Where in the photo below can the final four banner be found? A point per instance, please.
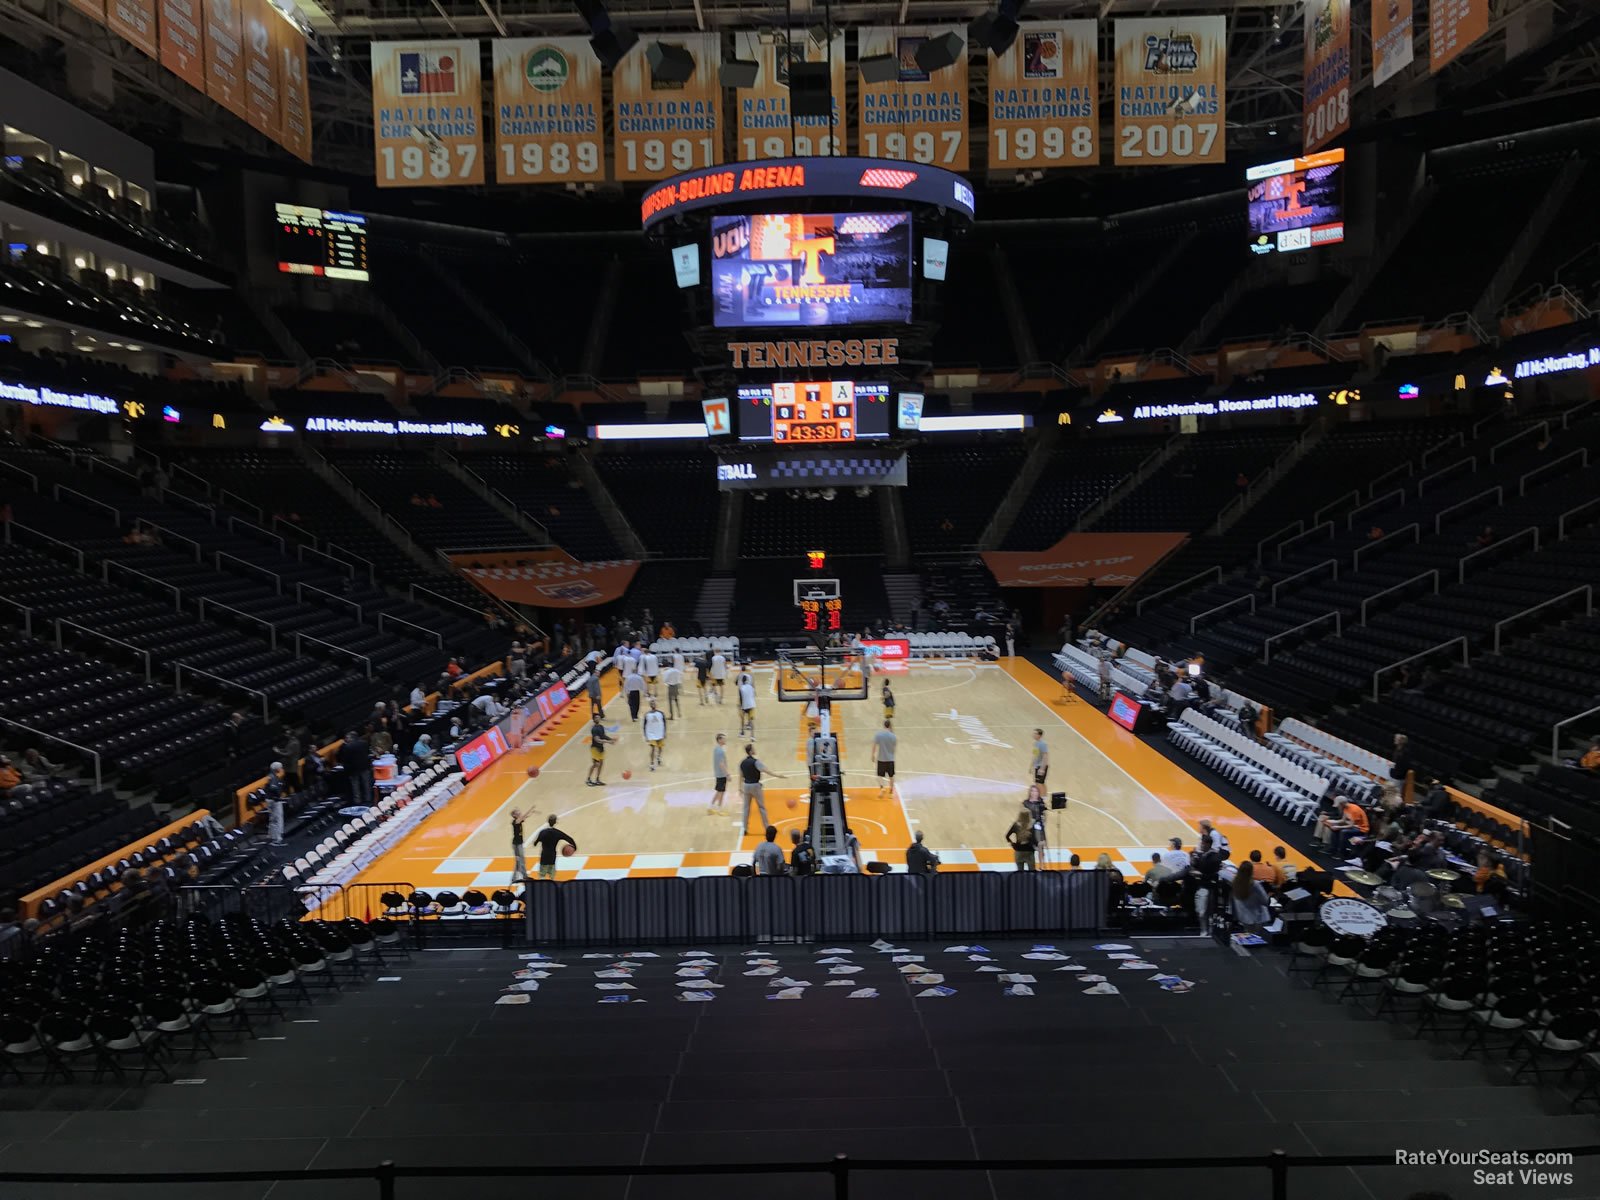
(547, 111)
(1327, 72)
(661, 132)
(919, 116)
(1044, 98)
(427, 119)
(762, 125)
(1171, 89)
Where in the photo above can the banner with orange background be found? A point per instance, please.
(1392, 48)
(1044, 98)
(1081, 559)
(661, 132)
(546, 578)
(182, 38)
(262, 107)
(1326, 102)
(433, 91)
(294, 94)
(224, 35)
(919, 116)
(1171, 91)
(762, 126)
(135, 22)
(1453, 25)
(547, 109)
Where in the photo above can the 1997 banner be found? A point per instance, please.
(918, 116)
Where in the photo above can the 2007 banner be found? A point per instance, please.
(1171, 91)
(547, 111)
(427, 119)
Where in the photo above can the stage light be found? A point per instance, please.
(936, 54)
(809, 95)
(878, 68)
(609, 41)
(670, 65)
(740, 73)
(997, 30)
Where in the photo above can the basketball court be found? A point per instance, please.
(965, 745)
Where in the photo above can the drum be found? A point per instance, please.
(1351, 918)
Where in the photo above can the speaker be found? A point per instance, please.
(878, 68)
(669, 64)
(994, 30)
(936, 54)
(740, 73)
(808, 90)
(1058, 801)
(611, 45)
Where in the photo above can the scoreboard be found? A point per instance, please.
(821, 615)
(813, 412)
(314, 241)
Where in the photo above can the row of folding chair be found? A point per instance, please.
(1286, 787)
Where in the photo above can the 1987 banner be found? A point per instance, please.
(1171, 90)
(427, 120)
(918, 116)
(1044, 98)
(547, 111)
(661, 132)
(762, 126)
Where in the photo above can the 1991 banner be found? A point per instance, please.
(547, 111)
(1044, 98)
(663, 131)
(1171, 90)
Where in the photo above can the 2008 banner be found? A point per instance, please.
(918, 116)
(547, 111)
(1171, 91)
(1327, 72)
(427, 120)
(663, 131)
(762, 126)
(1044, 97)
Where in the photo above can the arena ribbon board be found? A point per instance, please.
(224, 55)
(182, 43)
(1392, 48)
(1327, 72)
(547, 109)
(1171, 91)
(918, 116)
(1453, 25)
(547, 579)
(263, 109)
(135, 22)
(1044, 98)
(762, 125)
(660, 132)
(427, 123)
(293, 92)
(1081, 559)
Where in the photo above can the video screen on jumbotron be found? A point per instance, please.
(833, 410)
(796, 269)
(1297, 204)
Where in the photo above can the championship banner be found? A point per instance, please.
(427, 100)
(1081, 559)
(294, 92)
(183, 50)
(547, 111)
(546, 579)
(762, 127)
(134, 21)
(1453, 25)
(661, 132)
(1327, 72)
(224, 55)
(1171, 87)
(1391, 39)
(263, 109)
(1044, 98)
(919, 116)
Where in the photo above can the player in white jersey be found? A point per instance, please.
(719, 673)
(655, 733)
(673, 678)
(650, 668)
(747, 705)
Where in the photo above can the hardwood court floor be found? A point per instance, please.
(965, 736)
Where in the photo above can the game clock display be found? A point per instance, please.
(822, 616)
(814, 412)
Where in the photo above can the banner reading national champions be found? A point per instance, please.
(1171, 91)
(664, 131)
(1327, 72)
(919, 116)
(1044, 98)
(547, 109)
(427, 113)
(762, 126)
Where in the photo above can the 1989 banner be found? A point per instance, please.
(547, 111)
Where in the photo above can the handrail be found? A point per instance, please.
(300, 588)
(1555, 731)
(1466, 659)
(1409, 467)
(1301, 537)
(1338, 631)
(205, 484)
(1137, 608)
(1568, 413)
(97, 462)
(1219, 608)
(55, 541)
(1433, 571)
(302, 536)
(1356, 492)
(277, 537)
(404, 532)
(372, 571)
(105, 574)
(300, 553)
(59, 622)
(272, 630)
(60, 741)
(301, 638)
(442, 599)
(1455, 439)
(1584, 590)
(203, 509)
(1416, 536)
(1482, 421)
(116, 513)
(1461, 566)
(178, 668)
(224, 494)
(16, 470)
(1350, 517)
(1543, 426)
(277, 580)
(27, 614)
(1581, 453)
(1299, 526)
(1327, 562)
(433, 633)
(1438, 517)
(1422, 484)
(1561, 521)
(171, 534)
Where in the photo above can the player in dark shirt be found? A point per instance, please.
(549, 841)
(598, 741)
(519, 864)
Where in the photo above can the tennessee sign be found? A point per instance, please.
(845, 352)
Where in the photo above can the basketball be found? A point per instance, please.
(566, 849)
(533, 772)
(627, 774)
(793, 802)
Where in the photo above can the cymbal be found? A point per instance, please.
(1453, 900)
(1366, 877)
(1444, 874)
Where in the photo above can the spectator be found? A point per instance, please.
(10, 777)
(1282, 865)
(355, 757)
(419, 698)
(1021, 837)
(1159, 872)
(288, 749)
(1485, 536)
(382, 739)
(1175, 856)
(919, 859)
(276, 785)
(803, 857)
(769, 857)
(233, 734)
(1490, 877)
(1348, 818)
(852, 847)
(1270, 875)
(1589, 762)
(1208, 829)
(422, 751)
(1402, 759)
(36, 768)
(1250, 907)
